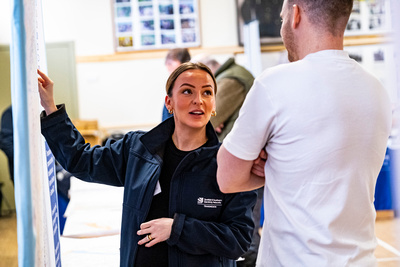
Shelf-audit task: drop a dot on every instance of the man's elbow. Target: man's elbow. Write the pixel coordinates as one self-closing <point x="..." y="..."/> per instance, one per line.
<point x="227" y="173"/>
<point x="225" y="185"/>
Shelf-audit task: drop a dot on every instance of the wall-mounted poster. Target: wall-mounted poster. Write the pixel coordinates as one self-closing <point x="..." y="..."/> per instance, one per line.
<point x="155" y="24"/>
<point x="369" y="17"/>
<point x="267" y="12"/>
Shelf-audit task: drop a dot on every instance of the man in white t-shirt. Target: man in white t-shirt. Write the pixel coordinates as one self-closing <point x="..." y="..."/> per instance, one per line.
<point x="324" y="123"/>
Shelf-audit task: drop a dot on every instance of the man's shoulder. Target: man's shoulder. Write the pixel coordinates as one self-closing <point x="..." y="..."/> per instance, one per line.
<point x="278" y="73"/>
<point x="283" y="67"/>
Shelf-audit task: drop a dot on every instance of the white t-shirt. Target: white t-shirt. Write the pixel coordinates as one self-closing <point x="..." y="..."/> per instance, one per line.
<point x="324" y="122"/>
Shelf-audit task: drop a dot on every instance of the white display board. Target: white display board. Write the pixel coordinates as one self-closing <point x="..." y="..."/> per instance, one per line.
<point x="35" y="188"/>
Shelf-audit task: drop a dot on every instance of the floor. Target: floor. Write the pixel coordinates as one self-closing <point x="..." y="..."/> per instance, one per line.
<point x="388" y="250"/>
<point x="387" y="232"/>
<point x="8" y="241"/>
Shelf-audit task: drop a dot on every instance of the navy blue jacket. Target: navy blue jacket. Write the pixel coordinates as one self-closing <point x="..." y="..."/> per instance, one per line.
<point x="209" y="229"/>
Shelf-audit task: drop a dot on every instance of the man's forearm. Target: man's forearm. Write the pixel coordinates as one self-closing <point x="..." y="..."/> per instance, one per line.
<point x="234" y="174"/>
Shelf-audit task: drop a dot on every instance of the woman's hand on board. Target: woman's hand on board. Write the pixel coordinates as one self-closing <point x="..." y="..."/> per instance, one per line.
<point x="45" y="86"/>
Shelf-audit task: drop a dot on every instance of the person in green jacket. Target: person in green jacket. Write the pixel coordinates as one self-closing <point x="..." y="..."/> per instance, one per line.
<point x="234" y="81"/>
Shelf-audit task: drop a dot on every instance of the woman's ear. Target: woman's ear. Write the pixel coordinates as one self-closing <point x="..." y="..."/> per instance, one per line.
<point x="168" y="103"/>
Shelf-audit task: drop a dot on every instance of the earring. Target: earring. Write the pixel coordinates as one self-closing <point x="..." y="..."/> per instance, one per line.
<point x="213" y="113"/>
<point x="171" y="111"/>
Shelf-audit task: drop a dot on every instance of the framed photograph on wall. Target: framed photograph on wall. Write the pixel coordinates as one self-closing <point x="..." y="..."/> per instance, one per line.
<point x="369" y="18"/>
<point x="267" y="12"/>
<point x="155" y="24"/>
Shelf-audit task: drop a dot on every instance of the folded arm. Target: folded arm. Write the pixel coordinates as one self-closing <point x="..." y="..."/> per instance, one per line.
<point x="237" y="175"/>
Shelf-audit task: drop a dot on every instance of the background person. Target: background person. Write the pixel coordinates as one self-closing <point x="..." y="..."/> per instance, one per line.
<point x="6" y="139"/>
<point x="234" y="82"/>
<point x="174" y="59"/>
<point x="324" y="122"/>
<point x="173" y="211"/>
<point x="6" y="144"/>
<point x="63" y="177"/>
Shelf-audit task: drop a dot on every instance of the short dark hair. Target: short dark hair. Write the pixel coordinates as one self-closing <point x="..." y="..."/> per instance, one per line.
<point x="180" y="54"/>
<point x="184" y="67"/>
<point x="330" y="15"/>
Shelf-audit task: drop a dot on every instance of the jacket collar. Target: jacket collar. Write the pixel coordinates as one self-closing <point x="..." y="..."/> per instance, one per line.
<point x="155" y="139"/>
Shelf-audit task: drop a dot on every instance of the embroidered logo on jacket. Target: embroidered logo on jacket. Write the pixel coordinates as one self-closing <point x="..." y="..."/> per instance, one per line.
<point x="209" y="202"/>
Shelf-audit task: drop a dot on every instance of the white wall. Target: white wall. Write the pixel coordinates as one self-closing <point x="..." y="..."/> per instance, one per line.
<point x="87" y="22"/>
<point x="5" y="22"/>
<point x="120" y="92"/>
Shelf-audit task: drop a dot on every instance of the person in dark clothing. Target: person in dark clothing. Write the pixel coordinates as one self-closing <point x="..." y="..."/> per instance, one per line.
<point x="173" y="211"/>
<point x="6" y="139"/>
<point x="6" y="143"/>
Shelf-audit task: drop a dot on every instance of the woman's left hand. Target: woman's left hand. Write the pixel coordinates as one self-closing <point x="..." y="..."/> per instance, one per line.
<point x="155" y="231"/>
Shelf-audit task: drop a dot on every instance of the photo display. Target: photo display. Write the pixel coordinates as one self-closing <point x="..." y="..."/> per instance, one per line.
<point x="155" y="24"/>
<point x="369" y="17"/>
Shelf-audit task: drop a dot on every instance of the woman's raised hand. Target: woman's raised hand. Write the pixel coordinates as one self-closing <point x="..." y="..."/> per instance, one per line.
<point x="45" y="86"/>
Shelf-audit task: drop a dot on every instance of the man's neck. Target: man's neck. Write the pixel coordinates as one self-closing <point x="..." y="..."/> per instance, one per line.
<point x="319" y="42"/>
